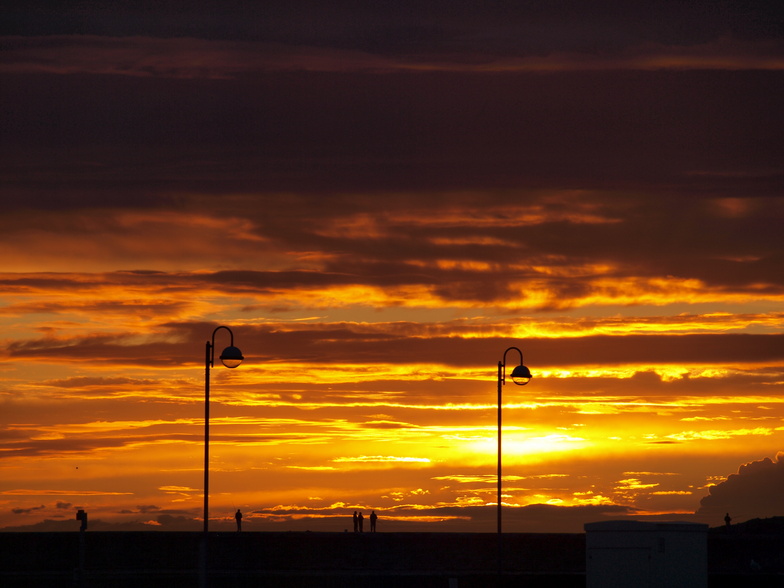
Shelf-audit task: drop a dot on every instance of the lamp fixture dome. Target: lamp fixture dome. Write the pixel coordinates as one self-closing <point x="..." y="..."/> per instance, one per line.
<point x="231" y="357"/>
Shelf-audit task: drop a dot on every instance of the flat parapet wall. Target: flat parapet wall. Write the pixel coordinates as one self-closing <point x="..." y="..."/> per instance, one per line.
<point x="638" y="554"/>
<point x="302" y="559"/>
<point x="344" y="560"/>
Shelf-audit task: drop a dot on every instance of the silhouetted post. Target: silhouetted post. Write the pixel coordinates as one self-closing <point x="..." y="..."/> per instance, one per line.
<point x="231" y="358"/>
<point x="521" y="375"/>
<point x="498" y="476"/>
<point x="203" y="542"/>
<point x="207" y="364"/>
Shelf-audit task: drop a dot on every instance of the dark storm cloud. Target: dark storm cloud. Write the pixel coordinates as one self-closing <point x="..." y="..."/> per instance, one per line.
<point x="730" y="252"/>
<point x="652" y="149"/>
<point x="346" y="343"/>
<point x="754" y="492"/>
<point x="752" y="382"/>
<point x="681" y="170"/>
<point x="698" y="132"/>
<point x="347" y="346"/>
<point x="78" y="445"/>
<point x="364" y="132"/>
<point x="87" y="443"/>
<point x="27" y="510"/>
<point x="734" y="252"/>
<point x="105" y="306"/>
<point x="91" y="382"/>
<point x="407" y="26"/>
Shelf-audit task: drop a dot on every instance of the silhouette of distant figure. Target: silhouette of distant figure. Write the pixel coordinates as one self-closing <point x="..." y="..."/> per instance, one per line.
<point x="356" y="522"/>
<point x="81" y="515"/>
<point x="361" y="520"/>
<point x="373" y="518"/>
<point x="727" y="520"/>
<point x="238" y="518"/>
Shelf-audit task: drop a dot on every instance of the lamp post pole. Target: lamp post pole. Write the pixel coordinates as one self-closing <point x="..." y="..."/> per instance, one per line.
<point x="208" y="365"/>
<point x="231" y="358"/>
<point x="498" y="475"/>
<point x="521" y="375"/>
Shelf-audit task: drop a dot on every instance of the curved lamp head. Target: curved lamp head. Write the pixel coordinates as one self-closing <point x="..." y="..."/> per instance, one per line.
<point x="521" y="375"/>
<point x="231" y="357"/>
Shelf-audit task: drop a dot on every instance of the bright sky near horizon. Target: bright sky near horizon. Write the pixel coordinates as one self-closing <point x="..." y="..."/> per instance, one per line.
<point x="378" y="202"/>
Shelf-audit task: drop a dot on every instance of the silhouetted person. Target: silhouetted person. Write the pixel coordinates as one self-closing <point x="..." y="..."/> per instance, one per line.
<point x="238" y="518"/>
<point x="373" y="518"/>
<point x="727" y="520"/>
<point x="81" y="515"/>
<point x="356" y="522"/>
<point x="361" y="520"/>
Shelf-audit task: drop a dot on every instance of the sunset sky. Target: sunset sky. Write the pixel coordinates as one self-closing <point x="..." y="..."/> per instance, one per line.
<point x="378" y="202"/>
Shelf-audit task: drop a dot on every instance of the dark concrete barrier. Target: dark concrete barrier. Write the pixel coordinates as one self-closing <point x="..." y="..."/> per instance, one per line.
<point x="341" y="560"/>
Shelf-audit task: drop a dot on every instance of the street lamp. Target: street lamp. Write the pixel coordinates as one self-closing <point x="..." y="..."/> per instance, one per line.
<point x="521" y="375"/>
<point x="231" y="358"/>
